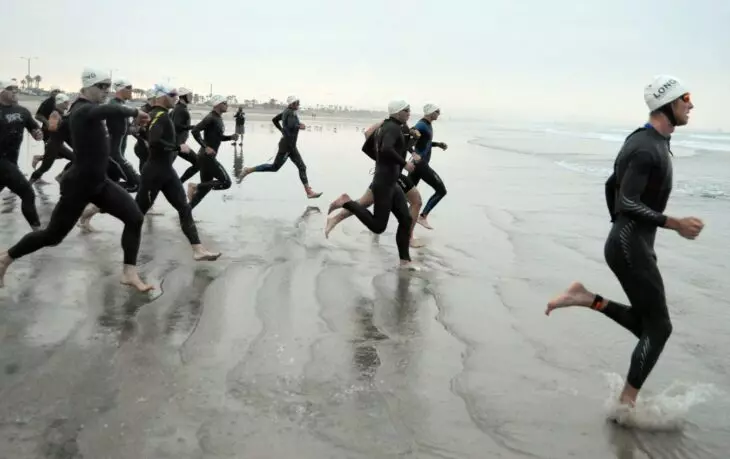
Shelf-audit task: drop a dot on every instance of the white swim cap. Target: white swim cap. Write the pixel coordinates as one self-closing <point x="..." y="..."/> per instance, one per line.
<point x="149" y="94"/>
<point x="217" y="100"/>
<point x="161" y="89"/>
<point x="662" y="90"/>
<point x="183" y="92"/>
<point x="430" y="108"/>
<point x="121" y="83"/>
<point x="61" y="98"/>
<point x="397" y="106"/>
<point x="91" y="76"/>
<point x="55" y="88"/>
<point x="291" y="99"/>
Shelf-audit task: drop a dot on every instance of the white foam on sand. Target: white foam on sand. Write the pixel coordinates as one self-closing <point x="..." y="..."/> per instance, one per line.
<point x="664" y="411"/>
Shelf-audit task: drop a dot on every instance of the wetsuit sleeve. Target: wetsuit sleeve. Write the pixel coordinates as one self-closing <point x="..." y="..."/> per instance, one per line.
<point x="611" y="196"/>
<point x="111" y="111"/>
<point x="195" y="132"/>
<point x="291" y="124"/>
<point x="277" y="122"/>
<point x="633" y="186"/>
<point x="391" y="135"/>
<point x="160" y="136"/>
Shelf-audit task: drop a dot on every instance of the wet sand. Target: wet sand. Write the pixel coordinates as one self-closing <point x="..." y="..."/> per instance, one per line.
<point x="292" y="345"/>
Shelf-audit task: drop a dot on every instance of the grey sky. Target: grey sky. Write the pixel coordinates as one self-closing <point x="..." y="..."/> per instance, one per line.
<point x="549" y="59"/>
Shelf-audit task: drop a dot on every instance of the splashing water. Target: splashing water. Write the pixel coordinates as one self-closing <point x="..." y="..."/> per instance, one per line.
<point x="665" y="411"/>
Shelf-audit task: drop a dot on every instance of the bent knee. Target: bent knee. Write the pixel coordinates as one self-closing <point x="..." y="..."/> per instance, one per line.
<point x="414" y="198"/>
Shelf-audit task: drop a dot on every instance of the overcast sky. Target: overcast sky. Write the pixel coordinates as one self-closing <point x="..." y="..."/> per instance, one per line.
<point x="534" y="59"/>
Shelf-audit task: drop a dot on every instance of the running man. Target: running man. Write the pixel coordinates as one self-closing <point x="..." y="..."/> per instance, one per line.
<point x="159" y="175"/>
<point x="213" y="175"/>
<point x="289" y="128"/>
<point x="390" y="158"/>
<point x="412" y="194"/>
<point x="181" y="118"/>
<point x="636" y="195"/>
<point x="87" y="182"/>
<point x="423" y="170"/>
<point x="14" y="120"/>
<point x="42" y="115"/>
<point x="118" y="130"/>
<point x="55" y="146"/>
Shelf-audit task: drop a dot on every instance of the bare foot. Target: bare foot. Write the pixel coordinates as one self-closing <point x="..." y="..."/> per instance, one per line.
<point x="85" y="220"/>
<point x="192" y="187"/>
<point x="329" y="226"/>
<point x="154" y="211"/>
<point x="5" y="261"/>
<point x="337" y="203"/>
<point x="576" y="295"/>
<point x="131" y="278"/>
<point x="311" y="194"/>
<point x="244" y="172"/>
<point x="408" y="266"/>
<point x="205" y="255"/>
<point x="423" y="221"/>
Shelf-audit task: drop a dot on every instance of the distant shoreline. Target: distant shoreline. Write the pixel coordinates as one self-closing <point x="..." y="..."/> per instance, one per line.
<point x="255" y="113"/>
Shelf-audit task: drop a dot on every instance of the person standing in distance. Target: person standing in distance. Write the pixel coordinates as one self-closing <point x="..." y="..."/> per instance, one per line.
<point x="636" y="195"/>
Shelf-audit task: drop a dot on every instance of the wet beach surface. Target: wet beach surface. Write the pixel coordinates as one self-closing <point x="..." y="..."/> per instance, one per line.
<point x="293" y="345"/>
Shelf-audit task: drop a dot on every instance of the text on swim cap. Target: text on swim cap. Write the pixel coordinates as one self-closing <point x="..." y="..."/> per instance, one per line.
<point x="664" y="88"/>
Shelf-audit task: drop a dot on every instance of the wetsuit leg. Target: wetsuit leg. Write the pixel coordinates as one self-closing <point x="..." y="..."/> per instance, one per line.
<point x="296" y="158"/>
<point x="66" y="153"/>
<point x="12" y="178"/>
<point x="403" y="234"/>
<point x="173" y="190"/>
<point x="115" y="201"/>
<point x="67" y="212"/>
<point x="132" y="179"/>
<point x="281" y="155"/>
<point x="213" y="176"/>
<point x="382" y="205"/>
<point x="434" y="181"/>
<point x="632" y="260"/>
<point x="415" y="176"/>
<point x="148" y="189"/>
<point x="192" y="158"/>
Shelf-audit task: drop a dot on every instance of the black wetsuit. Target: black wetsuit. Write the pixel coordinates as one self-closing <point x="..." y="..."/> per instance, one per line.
<point x="181" y="118"/>
<point x="140" y="133"/>
<point x="423" y="169"/>
<point x="368" y="148"/>
<point x="86" y="182"/>
<point x="118" y="130"/>
<point x="159" y="175"/>
<point x="55" y="148"/>
<point x="14" y="119"/>
<point x="636" y="195"/>
<point x="289" y="129"/>
<point x="240" y="118"/>
<point x="390" y="153"/>
<point x="213" y="175"/>
<point x="43" y="114"/>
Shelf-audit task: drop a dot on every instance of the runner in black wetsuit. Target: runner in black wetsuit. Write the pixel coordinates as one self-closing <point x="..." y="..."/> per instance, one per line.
<point x="181" y="118"/>
<point x="42" y="115"/>
<point x="158" y="174"/>
<point x="636" y="194"/>
<point x="14" y="120"/>
<point x="55" y="146"/>
<point x="390" y="159"/>
<point x="289" y="129"/>
<point x="213" y="175"/>
<point x="86" y="181"/>
<point x="118" y="130"/>
<point x="423" y="170"/>
<point x="412" y="194"/>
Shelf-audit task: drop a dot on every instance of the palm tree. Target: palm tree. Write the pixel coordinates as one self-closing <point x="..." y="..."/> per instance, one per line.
<point x="28" y="81"/>
<point x="37" y="80"/>
<point x="22" y="83"/>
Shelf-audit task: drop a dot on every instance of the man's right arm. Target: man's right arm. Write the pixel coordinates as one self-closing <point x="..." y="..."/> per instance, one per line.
<point x="195" y="132"/>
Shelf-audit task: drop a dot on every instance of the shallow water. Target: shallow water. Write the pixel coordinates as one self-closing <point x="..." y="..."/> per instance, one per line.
<point x="292" y="345"/>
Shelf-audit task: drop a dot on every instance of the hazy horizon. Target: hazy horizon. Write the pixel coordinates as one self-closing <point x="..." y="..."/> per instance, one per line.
<point x="548" y="61"/>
